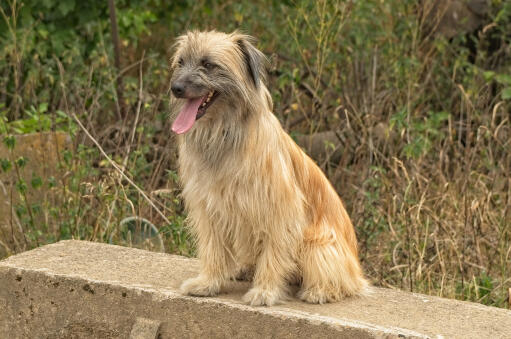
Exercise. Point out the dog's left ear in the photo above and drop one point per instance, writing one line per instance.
(254, 59)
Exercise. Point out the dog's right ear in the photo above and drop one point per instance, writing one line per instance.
(254, 59)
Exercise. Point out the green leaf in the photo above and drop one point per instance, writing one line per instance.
(68, 157)
(47, 3)
(43, 107)
(21, 162)
(3, 125)
(43, 33)
(21, 186)
(488, 75)
(506, 93)
(36, 182)
(9, 142)
(504, 79)
(52, 182)
(5, 164)
(36, 208)
(61, 114)
(20, 210)
(66, 6)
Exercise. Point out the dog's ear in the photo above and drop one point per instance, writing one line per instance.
(254, 59)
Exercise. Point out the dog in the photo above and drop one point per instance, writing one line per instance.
(255, 201)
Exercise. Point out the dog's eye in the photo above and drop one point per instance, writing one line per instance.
(208, 65)
(180, 62)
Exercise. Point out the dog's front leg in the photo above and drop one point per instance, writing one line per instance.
(273, 266)
(217, 263)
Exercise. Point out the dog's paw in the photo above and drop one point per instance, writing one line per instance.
(200, 287)
(317, 296)
(263, 297)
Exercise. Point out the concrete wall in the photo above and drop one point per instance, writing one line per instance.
(76, 289)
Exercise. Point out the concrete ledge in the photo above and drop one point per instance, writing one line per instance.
(89, 290)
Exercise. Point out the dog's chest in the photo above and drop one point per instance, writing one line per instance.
(230, 193)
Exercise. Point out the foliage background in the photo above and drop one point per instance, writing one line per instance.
(412, 128)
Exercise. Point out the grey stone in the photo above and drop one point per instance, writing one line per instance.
(81, 289)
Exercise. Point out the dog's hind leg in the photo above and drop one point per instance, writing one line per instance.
(217, 262)
(330, 270)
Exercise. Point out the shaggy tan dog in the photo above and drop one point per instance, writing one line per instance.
(255, 200)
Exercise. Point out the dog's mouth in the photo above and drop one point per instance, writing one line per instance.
(193, 109)
(207, 101)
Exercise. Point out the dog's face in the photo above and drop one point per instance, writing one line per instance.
(212, 69)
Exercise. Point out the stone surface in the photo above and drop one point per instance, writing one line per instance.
(145, 329)
(41, 150)
(88, 290)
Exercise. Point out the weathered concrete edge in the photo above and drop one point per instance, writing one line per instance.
(292, 315)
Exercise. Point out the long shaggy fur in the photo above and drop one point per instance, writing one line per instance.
(255, 200)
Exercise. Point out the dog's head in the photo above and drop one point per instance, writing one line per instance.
(213, 70)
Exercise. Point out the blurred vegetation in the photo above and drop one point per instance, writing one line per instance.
(421, 125)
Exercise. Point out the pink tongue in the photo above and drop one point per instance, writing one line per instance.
(186, 117)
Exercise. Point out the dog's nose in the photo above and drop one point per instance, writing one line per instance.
(178, 88)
